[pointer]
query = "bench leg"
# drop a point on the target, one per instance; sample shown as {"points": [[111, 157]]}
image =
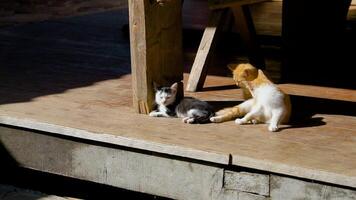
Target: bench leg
{"points": [[199, 69], [244, 23]]}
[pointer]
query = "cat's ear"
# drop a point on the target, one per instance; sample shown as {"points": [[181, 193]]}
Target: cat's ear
{"points": [[232, 67], [250, 73], [155, 86], [262, 74], [174, 87]]}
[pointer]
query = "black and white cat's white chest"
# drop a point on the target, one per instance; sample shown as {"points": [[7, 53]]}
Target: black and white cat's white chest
{"points": [[170, 110]]}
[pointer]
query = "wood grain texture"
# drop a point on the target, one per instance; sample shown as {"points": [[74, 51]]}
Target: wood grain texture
{"points": [[156, 48], [267, 17]]}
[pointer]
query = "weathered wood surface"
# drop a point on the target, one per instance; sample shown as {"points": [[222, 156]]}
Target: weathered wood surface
{"points": [[321, 149], [156, 49]]}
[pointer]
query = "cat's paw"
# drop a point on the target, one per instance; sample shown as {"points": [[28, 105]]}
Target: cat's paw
{"points": [[272, 128], [188, 120], [185, 119], [216, 119], [153, 114], [239, 121], [254, 121]]}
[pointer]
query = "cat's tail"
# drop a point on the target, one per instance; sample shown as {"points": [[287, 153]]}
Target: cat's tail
{"points": [[203, 117], [227, 114]]}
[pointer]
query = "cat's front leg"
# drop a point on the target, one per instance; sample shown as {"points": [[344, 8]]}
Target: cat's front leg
{"points": [[158, 114], [252, 121], [188, 120], [240, 121], [255, 121], [230, 113], [153, 114], [250, 116], [276, 118]]}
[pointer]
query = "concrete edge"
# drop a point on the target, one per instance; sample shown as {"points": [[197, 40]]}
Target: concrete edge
{"points": [[117, 140], [296, 171]]}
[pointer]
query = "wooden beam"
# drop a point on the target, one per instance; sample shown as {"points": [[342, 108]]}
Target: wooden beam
{"points": [[156, 48], [199, 69]]}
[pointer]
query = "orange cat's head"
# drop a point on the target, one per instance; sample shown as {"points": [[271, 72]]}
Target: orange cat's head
{"points": [[243, 72]]}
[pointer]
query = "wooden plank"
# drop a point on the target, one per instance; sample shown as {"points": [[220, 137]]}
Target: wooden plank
{"points": [[156, 48], [267, 17], [205, 51], [320, 92]]}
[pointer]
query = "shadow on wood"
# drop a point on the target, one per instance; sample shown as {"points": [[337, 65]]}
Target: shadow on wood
{"points": [[315, 43], [304, 109], [51, 57]]}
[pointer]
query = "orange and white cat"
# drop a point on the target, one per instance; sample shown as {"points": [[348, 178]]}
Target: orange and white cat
{"points": [[268, 103]]}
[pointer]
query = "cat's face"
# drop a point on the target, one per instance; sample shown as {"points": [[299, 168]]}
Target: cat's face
{"points": [[243, 72], [166, 95]]}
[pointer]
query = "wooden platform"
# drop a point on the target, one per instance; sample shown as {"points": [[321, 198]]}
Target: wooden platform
{"points": [[88, 96], [323, 149]]}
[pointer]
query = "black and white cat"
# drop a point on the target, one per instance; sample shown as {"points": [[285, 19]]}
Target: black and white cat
{"points": [[190, 109]]}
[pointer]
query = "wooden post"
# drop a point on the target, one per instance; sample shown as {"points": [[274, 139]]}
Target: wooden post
{"points": [[156, 48]]}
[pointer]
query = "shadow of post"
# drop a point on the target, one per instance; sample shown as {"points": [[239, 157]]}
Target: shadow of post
{"points": [[316, 44]]}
